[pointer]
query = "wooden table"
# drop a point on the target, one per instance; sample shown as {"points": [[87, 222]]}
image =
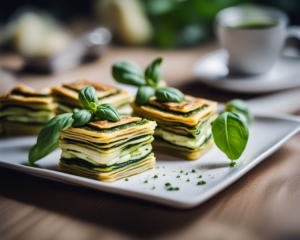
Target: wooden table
{"points": [[263, 204]]}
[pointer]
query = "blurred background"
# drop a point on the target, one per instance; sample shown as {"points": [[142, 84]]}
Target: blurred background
{"points": [[164, 24], [38, 38]]}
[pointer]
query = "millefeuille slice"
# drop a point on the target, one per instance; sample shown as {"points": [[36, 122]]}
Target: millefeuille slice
{"points": [[108, 151], [66, 96], [25, 110], [184, 129]]}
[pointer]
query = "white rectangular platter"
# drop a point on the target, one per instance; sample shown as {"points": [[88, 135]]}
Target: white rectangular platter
{"points": [[267, 134]]}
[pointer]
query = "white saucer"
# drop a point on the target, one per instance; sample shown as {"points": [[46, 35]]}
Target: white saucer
{"points": [[212, 70]]}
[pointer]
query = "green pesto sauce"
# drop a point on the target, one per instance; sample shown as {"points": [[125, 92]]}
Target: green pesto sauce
{"points": [[188, 114], [192, 149], [17, 92], [71, 141], [117, 128], [86, 164]]}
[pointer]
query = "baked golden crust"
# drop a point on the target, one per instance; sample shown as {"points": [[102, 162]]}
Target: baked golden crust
{"points": [[189, 104]]}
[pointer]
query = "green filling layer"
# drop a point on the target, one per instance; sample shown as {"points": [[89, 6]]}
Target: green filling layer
{"points": [[25, 107], [188, 114], [190, 149], [117, 128], [86, 164], [71, 141], [16, 92]]}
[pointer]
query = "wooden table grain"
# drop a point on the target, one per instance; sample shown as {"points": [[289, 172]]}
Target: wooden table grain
{"points": [[263, 204]]}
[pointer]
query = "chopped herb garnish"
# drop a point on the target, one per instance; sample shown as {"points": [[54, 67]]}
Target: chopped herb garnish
{"points": [[173, 188], [168, 184], [181, 171], [126, 179], [201, 183], [164, 175], [200, 176], [188, 180], [187, 173], [193, 171], [163, 166], [146, 181], [155, 176], [153, 188], [157, 167], [178, 176]]}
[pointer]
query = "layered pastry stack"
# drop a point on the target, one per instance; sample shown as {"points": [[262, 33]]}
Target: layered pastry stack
{"points": [[24, 111], [66, 96], [108, 151], [184, 129]]}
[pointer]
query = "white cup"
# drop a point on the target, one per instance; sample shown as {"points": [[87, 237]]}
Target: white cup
{"points": [[253, 51]]}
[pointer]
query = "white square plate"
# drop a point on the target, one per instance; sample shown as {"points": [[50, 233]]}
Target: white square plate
{"points": [[267, 134]]}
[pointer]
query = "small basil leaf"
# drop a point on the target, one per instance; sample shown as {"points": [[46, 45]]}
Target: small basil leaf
{"points": [[239, 106], [230, 134], [87, 95], [153, 72], [143, 95], [168, 94], [47, 140], [127, 73], [82, 117], [107, 112]]}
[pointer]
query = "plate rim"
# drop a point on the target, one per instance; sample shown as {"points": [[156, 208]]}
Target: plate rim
{"points": [[179, 204]]}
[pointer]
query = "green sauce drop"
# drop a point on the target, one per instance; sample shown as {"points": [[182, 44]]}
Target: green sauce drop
{"points": [[233, 164]]}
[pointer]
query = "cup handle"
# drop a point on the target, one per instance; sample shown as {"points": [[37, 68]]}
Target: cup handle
{"points": [[292, 41]]}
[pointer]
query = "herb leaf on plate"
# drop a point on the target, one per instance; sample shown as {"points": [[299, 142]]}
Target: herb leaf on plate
{"points": [[239, 106], [169, 94], [230, 134]]}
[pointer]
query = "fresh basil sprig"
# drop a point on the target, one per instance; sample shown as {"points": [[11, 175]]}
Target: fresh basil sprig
{"points": [[239, 106], [143, 95], [230, 134], [148, 83], [48, 139], [88, 97], [128, 73], [169, 94], [153, 73]]}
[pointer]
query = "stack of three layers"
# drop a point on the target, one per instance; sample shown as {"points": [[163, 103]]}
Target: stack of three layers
{"points": [[108, 151], [184, 129]]}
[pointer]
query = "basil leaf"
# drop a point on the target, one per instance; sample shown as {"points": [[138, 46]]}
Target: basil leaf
{"points": [[86, 96], [47, 140], [169, 94], [127, 73], [107, 112], [230, 134], [143, 95], [153, 72], [239, 106], [82, 117]]}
